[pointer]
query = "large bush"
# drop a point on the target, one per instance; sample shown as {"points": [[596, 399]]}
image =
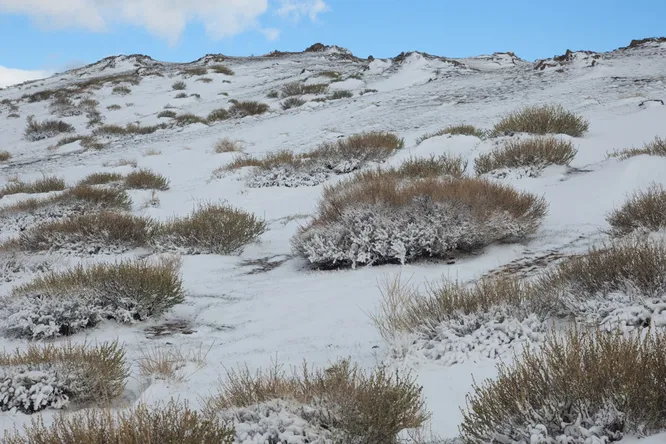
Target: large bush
{"points": [[644, 210], [547, 119]]}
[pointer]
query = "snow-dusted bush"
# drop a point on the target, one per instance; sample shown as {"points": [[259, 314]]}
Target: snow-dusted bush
{"points": [[619, 285], [63, 303], [52, 376], [173, 423], [380, 216], [5, 156], [585, 387], [43, 185], [101, 178], [46, 129], [342, 401], [656, 147], [299, 88], [145, 179], [217, 229], [454, 130], [535, 153], [13, 265], [547, 119], [644, 210], [240, 109]]}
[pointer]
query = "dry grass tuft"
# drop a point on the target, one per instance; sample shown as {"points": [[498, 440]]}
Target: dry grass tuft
{"points": [[188, 119], [537, 152], [145, 179], [547, 119], [273, 95], [168, 114], [221, 69], [99, 198], [611, 383], [454, 130], [421, 168], [46, 129], [114, 107], [5, 156], [218, 114], [269, 161], [43, 185], [241, 109], [122, 162], [101, 178], [87, 142], [340, 94], [291, 102], [227, 145], [194, 71], [644, 210], [121, 90], [299, 89], [179, 86], [181, 95], [204, 80], [368, 408], [656, 147]]}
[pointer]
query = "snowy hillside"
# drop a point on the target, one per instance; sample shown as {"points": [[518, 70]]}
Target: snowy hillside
{"points": [[265, 302]]}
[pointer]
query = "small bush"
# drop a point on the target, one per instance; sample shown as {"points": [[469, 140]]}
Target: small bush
{"points": [[46, 129], [453, 166], [87, 142], [58, 304], [584, 384], [195, 71], [121, 90], [228, 146], [133, 128], [5, 156], [269, 161], [179, 86], [453, 130], [144, 179], [174, 423], [537, 153], [168, 113], [546, 119], [204, 80], [218, 114], [100, 178], [299, 89], [43, 185], [368, 91], [379, 217], [181, 95], [657, 147], [216, 229], [340, 94], [113, 107], [355, 406], [291, 102], [188, 119], [329, 74], [221, 69], [110, 130], [82, 195], [272, 95], [63, 106], [644, 210], [52, 376], [241, 109], [13, 116]]}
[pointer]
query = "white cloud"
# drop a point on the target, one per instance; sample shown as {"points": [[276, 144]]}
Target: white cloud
{"points": [[271, 33], [9, 76], [164, 18]]}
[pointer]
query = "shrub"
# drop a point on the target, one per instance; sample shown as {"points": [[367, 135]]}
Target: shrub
{"points": [[271, 160], [121, 90], [134, 128], [87, 142], [144, 179], [246, 108], [110, 130], [355, 406], [63, 106], [52, 376], [43, 185], [181, 95], [195, 71], [227, 145], [216, 229], [299, 89], [5, 156], [113, 107], [100, 178], [378, 216], [421, 168], [454, 130], [644, 210], [291, 102], [167, 113], [536, 153], [221, 69], [330, 74], [100, 198], [584, 384], [13, 116], [368, 90], [58, 304], [204, 80], [174, 423], [657, 147], [188, 119], [179, 85], [548, 119], [218, 114], [46, 129], [272, 95], [340, 94]]}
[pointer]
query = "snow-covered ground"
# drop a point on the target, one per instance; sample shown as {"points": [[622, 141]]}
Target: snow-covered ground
{"points": [[264, 304]]}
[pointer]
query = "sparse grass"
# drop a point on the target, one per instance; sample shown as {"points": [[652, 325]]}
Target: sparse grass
{"points": [[537, 152], [329, 74], [421, 168], [368, 91], [454, 130], [179, 86], [144, 179], [656, 147], [195, 71], [181, 95], [82, 193], [246, 108], [299, 89], [5, 156], [227, 145], [217, 229], [204, 80], [101, 178], [273, 95], [221, 69], [88, 142], [110, 130], [121, 90], [547, 119], [357, 406], [48, 128], [644, 210], [43, 185], [196, 95], [340, 94], [161, 362], [114, 107], [168, 114], [174, 423], [13, 116], [133, 128], [122, 162], [291, 102], [269, 161], [613, 383], [217, 115], [152, 152], [188, 119]]}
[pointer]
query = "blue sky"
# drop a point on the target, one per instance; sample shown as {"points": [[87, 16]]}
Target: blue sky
{"points": [[56, 34]]}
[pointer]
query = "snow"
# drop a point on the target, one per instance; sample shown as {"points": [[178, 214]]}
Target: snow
{"points": [[265, 304]]}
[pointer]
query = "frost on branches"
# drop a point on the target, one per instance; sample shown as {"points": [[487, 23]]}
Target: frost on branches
{"points": [[33, 388]]}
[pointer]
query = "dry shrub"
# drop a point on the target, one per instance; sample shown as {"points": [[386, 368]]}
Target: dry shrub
{"points": [[101, 178], [110, 130], [218, 114], [5, 156], [114, 107], [368, 91], [43, 185], [80, 195], [152, 152], [217, 229], [245, 108], [179, 86], [58, 304], [87, 142], [579, 386], [161, 362], [644, 210], [78, 373], [173, 423], [271, 160], [135, 128], [188, 119], [121, 90], [656, 147], [378, 216], [273, 95], [299, 89], [221, 69], [358, 407], [537, 152], [145, 179], [340, 94], [227, 145], [181, 95], [291, 102], [454, 130], [204, 80], [168, 113], [547, 119], [194, 71], [371, 145], [420, 168], [46, 129], [122, 162], [329, 74]]}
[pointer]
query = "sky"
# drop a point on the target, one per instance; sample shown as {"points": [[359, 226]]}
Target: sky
{"points": [[40, 37]]}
